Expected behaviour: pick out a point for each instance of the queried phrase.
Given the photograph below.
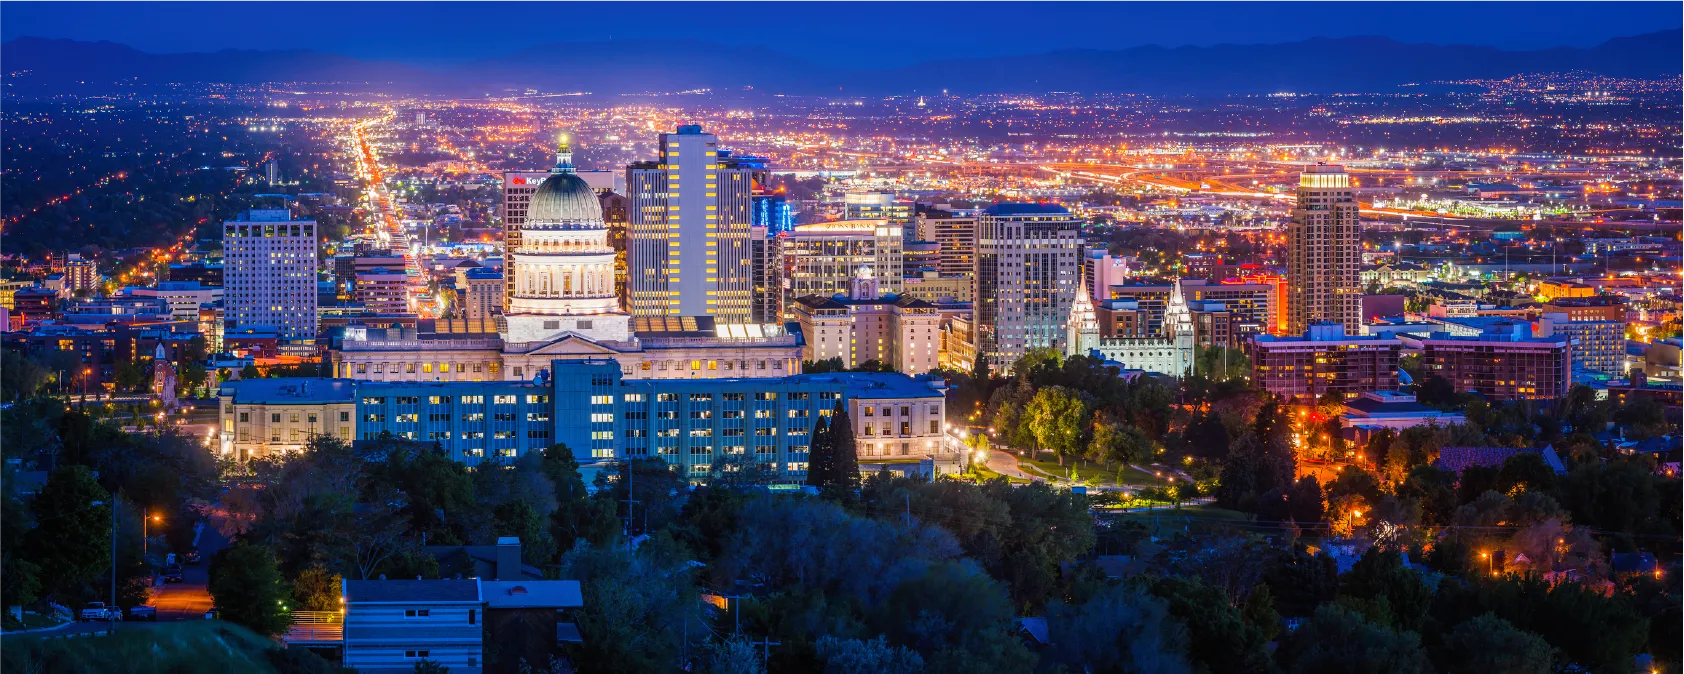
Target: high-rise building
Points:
(269, 269)
(687, 243)
(766, 269)
(614, 213)
(820, 258)
(956, 234)
(1027, 259)
(1598, 346)
(1324, 252)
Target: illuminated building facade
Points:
(1324, 249)
(1324, 360)
(819, 259)
(687, 239)
(1027, 258)
(270, 275)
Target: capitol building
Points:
(563, 306)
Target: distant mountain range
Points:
(1322, 65)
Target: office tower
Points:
(955, 233)
(821, 258)
(877, 206)
(865, 325)
(1324, 252)
(563, 269)
(269, 269)
(1027, 258)
(614, 210)
(687, 243)
(766, 269)
(1252, 304)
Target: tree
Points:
(1054, 417)
(71, 543)
(821, 459)
(845, 455)
(1219, 639)
(636, 608)
(1525, 471)
(1305, 501)
(1490, 645)
(1438, 392)
(1301, 581)
(246, 586)
(876, 656)
(1119, 629)
(1380, 574)
(430, 666)
(317, 589)
(1259, 611)
(1435, 489)
(20, 578)
(578, 514)
(1207, 437)
(1336, 639)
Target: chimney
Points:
(508, 558)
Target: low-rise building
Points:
(1324, 360)
(1505, 362)
(185, 298)
(1597, 346)
(269, 417)
(602, 415)
(863, 326)
(383, 290)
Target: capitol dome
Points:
(564, 197)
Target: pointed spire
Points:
(563, 156)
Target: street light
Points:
(144, 531)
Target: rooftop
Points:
(1026, 209)
(411, 591)
(532, 593)
(290, 390)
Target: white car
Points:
(97, 610)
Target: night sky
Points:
(845, 35)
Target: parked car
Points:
(143, 612)
(193, 556)
(172, 573)
(96, 610)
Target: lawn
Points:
(31, 621)
(190, 646)
(1093, 472)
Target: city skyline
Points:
(456, 31)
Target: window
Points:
(935, 426)
(416, 613)
(275, 418)
(502, 400)
(471, 400)
(245, 417)
(312, 417)
(345, 417)
(470, 622)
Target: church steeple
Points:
(563, 156)
(1081, 331)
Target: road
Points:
(189, 599)
(1005, 463)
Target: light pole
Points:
(144, 529)
(1487, 557)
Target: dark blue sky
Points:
(848, 35)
